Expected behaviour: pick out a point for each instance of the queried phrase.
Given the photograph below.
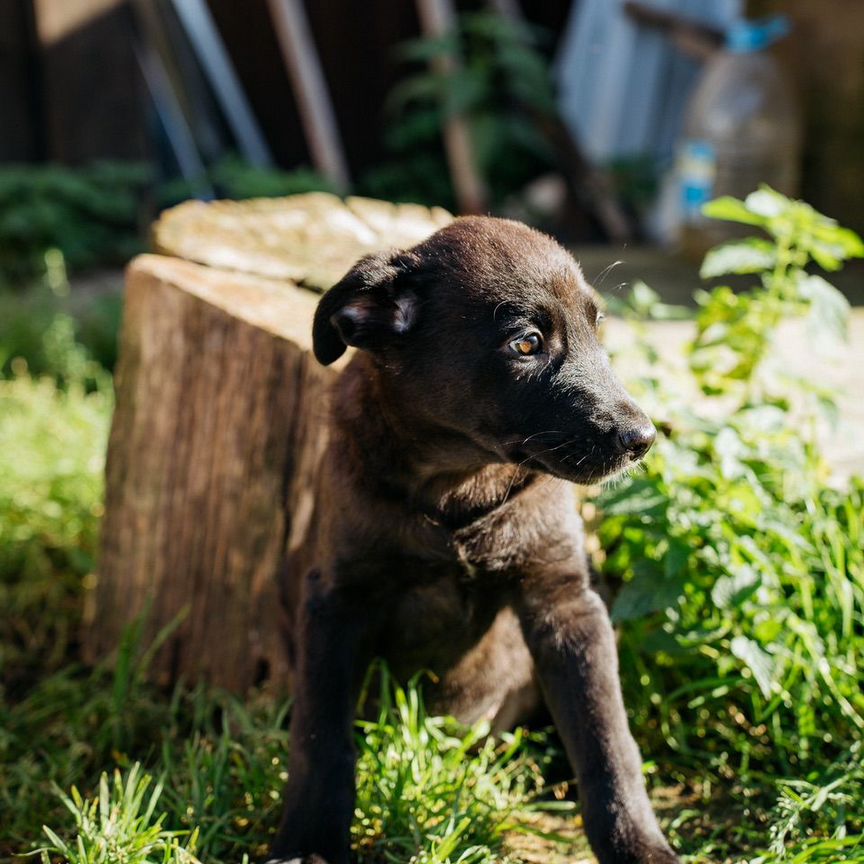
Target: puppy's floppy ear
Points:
(370, 306)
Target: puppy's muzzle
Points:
(635, 441)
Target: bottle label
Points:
(697, 168)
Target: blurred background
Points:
(574, 114)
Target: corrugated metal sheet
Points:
(623, 87)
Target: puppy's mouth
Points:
(586, 474)
(576, 463)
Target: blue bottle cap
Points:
(744, 37)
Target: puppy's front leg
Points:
(319, 797)
(572, 642)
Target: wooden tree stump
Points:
(218, 425)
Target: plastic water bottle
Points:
(742, 127)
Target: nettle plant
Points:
(741, 568)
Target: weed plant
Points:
(742, 603)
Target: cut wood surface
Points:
(310, 239)
(219, 426)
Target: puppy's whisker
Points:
(606, 271)
(552, 449)
(512, 482)
(521, 464)
(547, 432)
(584, 457)
(535, 435)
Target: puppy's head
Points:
(487, 334)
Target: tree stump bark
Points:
(219, 425)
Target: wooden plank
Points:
(310, 89)
(19, 107)
(439, 20)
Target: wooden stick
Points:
(691, 36)
(589, 186)
(437, 19)
(210, 52)
(310, 89)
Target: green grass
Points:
(119, 824)
(52, 446)
(201, 772)
(740, 603)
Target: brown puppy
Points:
(444, 534)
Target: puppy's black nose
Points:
(637, 440)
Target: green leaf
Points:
(759, 662)
(828, 317)
(639, 497)
(643, 297)
(649, 592)
(827, 255)
(676, 559)
(732, 210)
(730, 450)
(767, 203)
(731, 591)
(753, 255)
(844, 242)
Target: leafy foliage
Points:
(234, 178)
(54, 218)
(91, 215)
(742, 567)
(52, 445)
(735, 331)
(498, 78)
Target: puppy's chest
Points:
(440, 609)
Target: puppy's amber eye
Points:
(526, 345)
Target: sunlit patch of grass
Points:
(432, 788)
(429, 789)
(120, 824)
(52, 447)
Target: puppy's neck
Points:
(426, 467)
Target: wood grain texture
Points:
(310, 239)
(218, 420)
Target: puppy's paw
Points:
(660, 855)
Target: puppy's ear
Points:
(368, 308)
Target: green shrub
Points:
(91, 215)
(501, 86)
(54, 218)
